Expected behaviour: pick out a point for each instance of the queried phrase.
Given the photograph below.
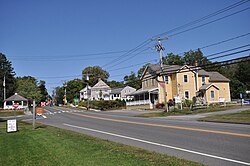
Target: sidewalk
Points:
(202, 115)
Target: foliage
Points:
(104, 104)
(159, 105)
(115, 84)
(7, 70)
(58, 94)
(43, 91)
(132, 80)
(94, 74)
(187, 103)
(191, 56)
(27, 87)
(172, 59)
(73, 89)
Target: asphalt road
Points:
(204, 142)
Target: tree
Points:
(43, 91)
(132, 80)
(73, 89)
(58, 95)
(172, 59)
(191, 56)
(95, 73)
(28, 88)
(115, 84)
(7, 70)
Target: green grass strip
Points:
(53, 146)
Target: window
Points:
(146, 83)
(187, 94)
(203, 79)
(212, 94)
(166, 79)
(153, 82)
(185, 78)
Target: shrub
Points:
(159, 105)
(104, 104)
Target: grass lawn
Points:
(52, 146)
(242, 117)
(10, 113)
(186, 111)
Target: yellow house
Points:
(179, 82)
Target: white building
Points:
(85, 93)
(21, 101)
(100, 91)
(121, 93)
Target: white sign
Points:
(11, 125)
(248, 91)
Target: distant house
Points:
(85, 93)
(21, 101)
(180, 82)
(121, 93)
(100, 91)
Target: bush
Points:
(159, 105)
(187, 103)
(104, 104)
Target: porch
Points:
(145, 99)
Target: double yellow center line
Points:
(164, 126)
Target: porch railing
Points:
(139, 102)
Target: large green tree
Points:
(27, 87)
(58, 95)
(94, 74)
(7, 70)
(73, 89)
(172, 59)
(43, 90)
(132, 80)
(115, 84)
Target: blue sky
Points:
(52, 39)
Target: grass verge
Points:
(242, 117)
(11, 113)
(53, 146)
(186, 111)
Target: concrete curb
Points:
(215, 121)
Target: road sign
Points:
(15, 105)
(248, 91)
(76, 100)
(240, 95)
(11, 125)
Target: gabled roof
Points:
(217, 77)
(155, 69)
(16, 97)
(207, 86)
(202, 72)
(84, 89)
(116, 90)
(101, 85)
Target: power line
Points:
(220, 42)
(202, 18)
(210, 22)
(133, 55)
(143, 63)
(227, 50)
(146, 42)
(222, 56)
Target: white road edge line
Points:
(44, 116)
(158, 144)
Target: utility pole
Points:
(159, 48)
(4, 89)
(87, 79)
(65, 92)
